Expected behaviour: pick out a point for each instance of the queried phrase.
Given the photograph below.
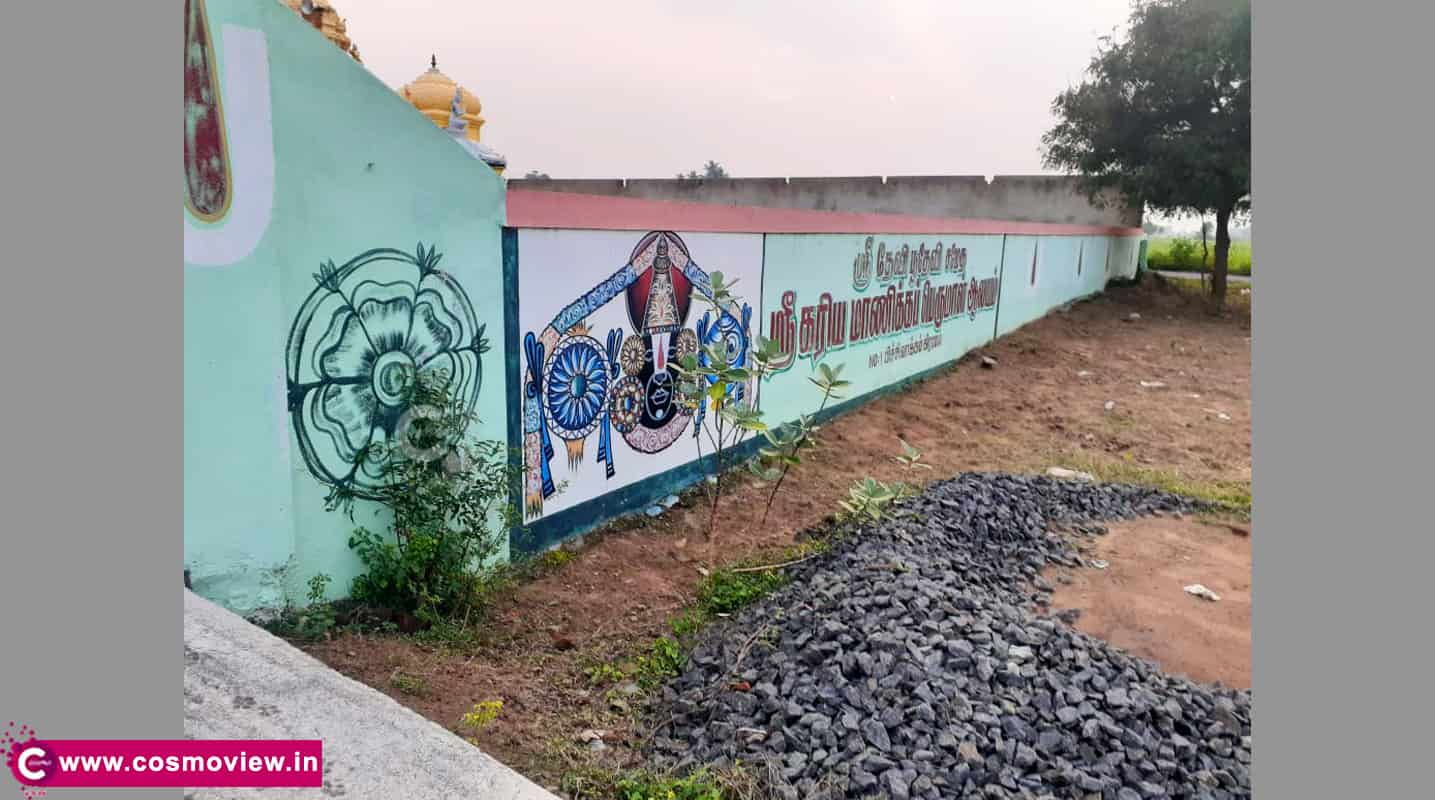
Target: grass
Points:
(409, 684)
(1230, 496)
(721, 593)
(323, 619)
(555, 559)
(1159, 255)
(1237, 296)
(602, 674)
(698, 785)
(586, 779)
(725, 591)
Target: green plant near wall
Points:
(451, 509)
(313, 622)
(714, 381)
(872, 499)
(785, 445)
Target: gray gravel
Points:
(917, 660)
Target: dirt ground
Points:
(1043, 404)
(1138, 601)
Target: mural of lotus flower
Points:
(360, 336)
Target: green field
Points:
(1184, 255)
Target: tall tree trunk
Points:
(1223, 251)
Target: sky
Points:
(782, 88)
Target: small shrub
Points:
(786, 443)
(713, 381)
(450, 514)
(870, 498)
(911, 457)
(481, 716)
(313, 622)
(318, 586)
(316, 621)
(1183, 254)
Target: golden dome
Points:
(432, 94)
(326, 20)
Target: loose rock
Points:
(1202, 592)
(914, 659)
(1063, 473)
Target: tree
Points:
(535, 175)
(711, 171)
(1165, 117)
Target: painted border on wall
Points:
(539, 209)
(512, 376)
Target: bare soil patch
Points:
(1042, 404)
(1139, 603)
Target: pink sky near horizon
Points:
(646, 89)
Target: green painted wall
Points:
(845, 267)
(338, 233)
(956, 293)
(1066, 268)
(354, 169)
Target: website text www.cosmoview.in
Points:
(185, 763)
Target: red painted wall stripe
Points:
(568, 210)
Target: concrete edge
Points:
(241, 682)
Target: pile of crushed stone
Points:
(917, 660)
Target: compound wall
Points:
(611, 291)
(335, 240)
(332, 237)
